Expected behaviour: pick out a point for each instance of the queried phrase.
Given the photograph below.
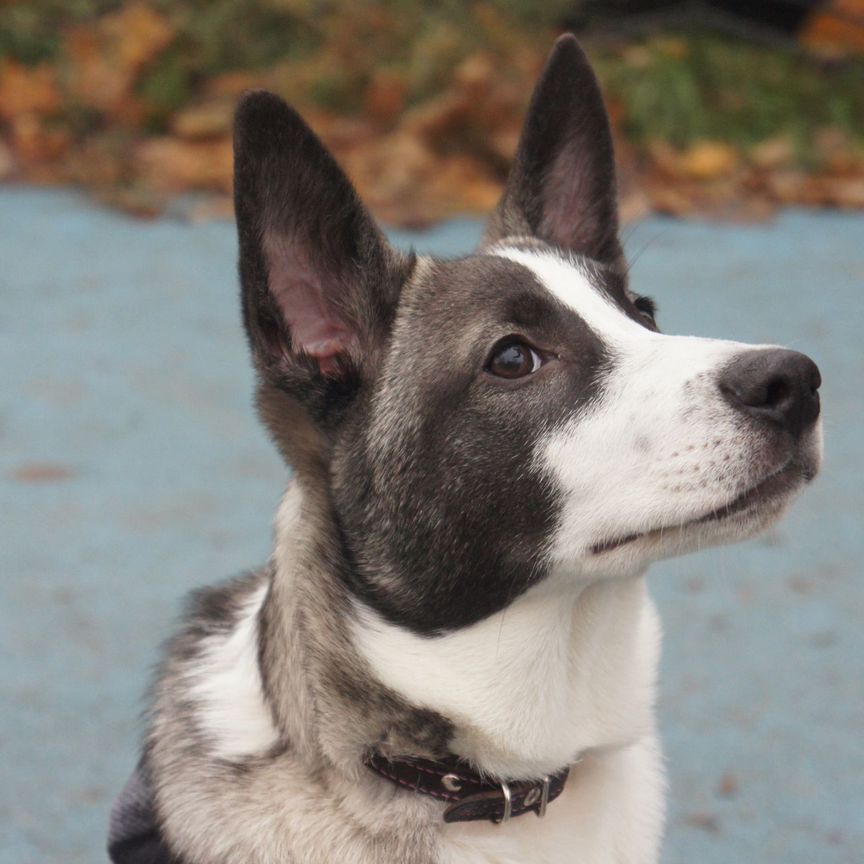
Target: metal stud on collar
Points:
(533, 796)
(451, 782)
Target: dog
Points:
(453, 636)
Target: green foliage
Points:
(165, 88)
(707, 87)
(220, 35)
(30, 31)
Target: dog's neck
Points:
(564, 670)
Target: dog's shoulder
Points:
(213, 610)
(209, 680)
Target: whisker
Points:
(637, 255)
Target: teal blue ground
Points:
(126, 387)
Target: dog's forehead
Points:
(519, 284)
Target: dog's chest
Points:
(610, 810)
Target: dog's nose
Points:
(777, 385)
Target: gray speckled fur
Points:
(309, 799)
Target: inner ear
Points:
(304, 296)
(562, 186)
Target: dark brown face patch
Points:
(444, 512)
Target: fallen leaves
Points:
(421, 141)
(837, 28)
(36, 143)
(729, 786)
(173, 165)
(709, 160)
(211, 119)
(7, 161)
(713, 178)
(447, 155)
(772, 154)
(385, 98)
(27, 91)
(42, 472)
(103, 62)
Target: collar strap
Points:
(470, 796)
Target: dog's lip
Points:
(768, 487)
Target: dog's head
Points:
(478, 425)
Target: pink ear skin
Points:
(316, 330)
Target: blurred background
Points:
(132, 468)
(722, 106)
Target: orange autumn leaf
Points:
(839, 26)
(27, 90)
(708, 160)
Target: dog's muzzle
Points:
(470, 796)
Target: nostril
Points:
(756, 391)
(777, 391)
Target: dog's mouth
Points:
(775, 485)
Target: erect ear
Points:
(319, 281)
(561, 187)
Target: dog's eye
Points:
(646, 307)
(513, 359)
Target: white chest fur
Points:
(556, 675)
(611, 810)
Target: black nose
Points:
(777, 385)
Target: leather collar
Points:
(470, 796)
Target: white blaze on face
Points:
(659, 446)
